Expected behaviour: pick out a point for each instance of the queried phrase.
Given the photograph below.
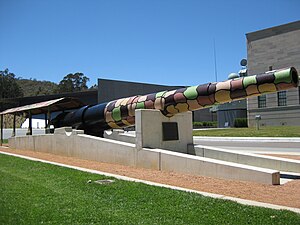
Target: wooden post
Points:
(14, 126)
(1, 139)
(30, 124)
(46, 123)
(29, 132)
(49, 117)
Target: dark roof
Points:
(40, 98)
(88, 97)
(281, 29)
(43, 107)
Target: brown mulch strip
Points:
(287, 194)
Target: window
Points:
(262, 101)
(281, 97)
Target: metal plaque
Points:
(170, 131)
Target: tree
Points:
(94, 87)
(73, 82)
(8, 85)
(33, 87)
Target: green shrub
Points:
(240, 122)
(200, 124)
(205, 124)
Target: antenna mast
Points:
(215, 59)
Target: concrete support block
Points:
(43, 143)
(177, 162)
(119, 135)
(12, 142)
(22, 142)
(64, 130)
(104, 150)
(149, 159)
(149, 131)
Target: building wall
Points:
(226, 118)
(204, 115)
(276, 47)
(228, 112)
(114, 89)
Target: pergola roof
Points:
(46, 106)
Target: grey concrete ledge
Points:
(120, 135)
(211, 195)
(248, 139)
(179, 162)
(271, 162)
(107, 140)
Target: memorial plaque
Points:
(170, 131)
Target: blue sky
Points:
(155, 41)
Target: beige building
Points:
(270, 49)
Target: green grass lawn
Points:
(282, 131)
(35, 193)
(5, 141)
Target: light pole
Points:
(257, 119)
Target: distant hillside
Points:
(8, 121)
(35, 87)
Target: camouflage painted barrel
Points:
(121, 113)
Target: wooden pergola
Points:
(46, 108)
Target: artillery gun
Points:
(120, 113)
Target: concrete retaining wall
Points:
(287, 165)
(82, 146)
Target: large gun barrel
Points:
(120, 113)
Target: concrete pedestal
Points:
(149, 130)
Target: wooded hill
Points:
(35, 87)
